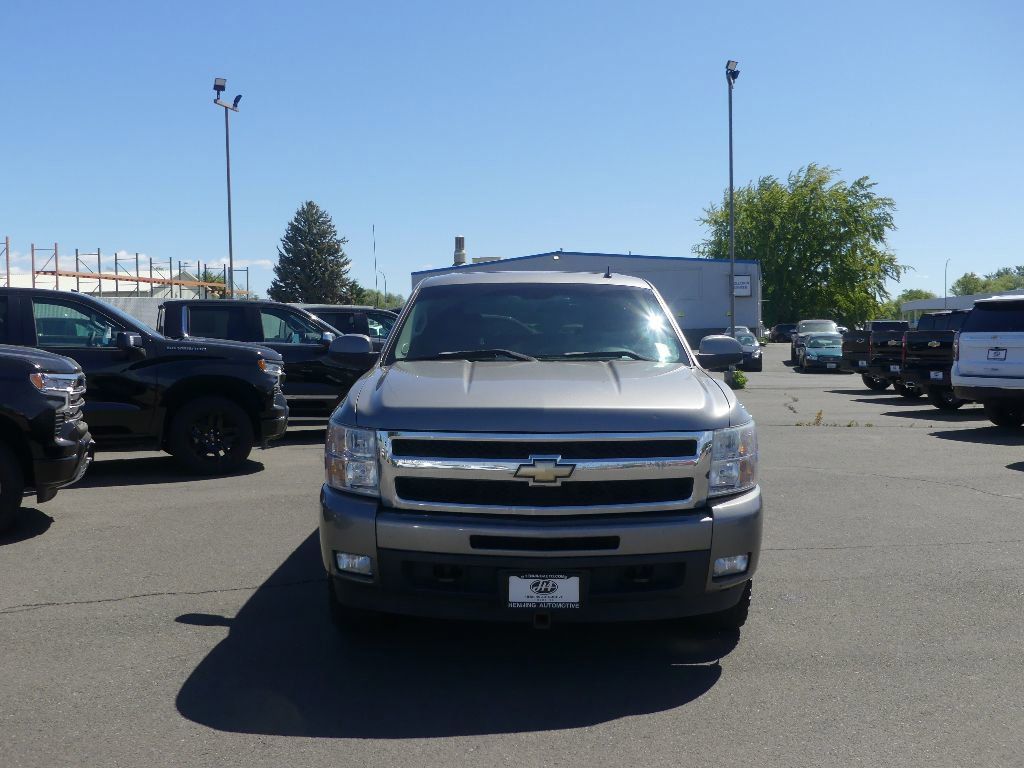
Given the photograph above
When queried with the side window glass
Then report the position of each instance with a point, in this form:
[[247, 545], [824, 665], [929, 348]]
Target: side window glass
[[345, 322], [287, 328], [381, 325], [60, 324], [216, 323]]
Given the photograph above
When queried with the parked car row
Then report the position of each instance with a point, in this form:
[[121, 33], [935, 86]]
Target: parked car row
[[207, 392], [953, 357]]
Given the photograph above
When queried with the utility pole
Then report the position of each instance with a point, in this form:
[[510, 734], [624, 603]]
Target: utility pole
[[731, 73]]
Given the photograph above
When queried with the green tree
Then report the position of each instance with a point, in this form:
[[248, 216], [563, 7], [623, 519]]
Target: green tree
[[967, 284], [370, 297], [311, 263], [821, 243], [891, 310]]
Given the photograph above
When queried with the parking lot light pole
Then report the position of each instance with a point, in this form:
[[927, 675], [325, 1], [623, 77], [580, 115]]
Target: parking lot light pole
[[731, 73], [945, 284], [385, 288], [219, 84]]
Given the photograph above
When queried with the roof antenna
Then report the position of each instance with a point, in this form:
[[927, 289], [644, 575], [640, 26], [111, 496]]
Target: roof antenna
[[608, 272]]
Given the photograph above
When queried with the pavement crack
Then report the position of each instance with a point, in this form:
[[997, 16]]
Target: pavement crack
[[35, 606]]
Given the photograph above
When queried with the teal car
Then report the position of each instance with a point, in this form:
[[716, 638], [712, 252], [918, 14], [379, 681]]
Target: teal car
[[821, 351]]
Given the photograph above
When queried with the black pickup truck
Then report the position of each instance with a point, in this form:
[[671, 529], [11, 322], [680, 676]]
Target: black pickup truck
[[44, 442], [317, 378], [928, 357], [207, 403], [876, 354]]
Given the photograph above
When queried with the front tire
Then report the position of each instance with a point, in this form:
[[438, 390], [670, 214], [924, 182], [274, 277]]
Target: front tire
[[944, 399], [1004, 414], [210, 436], [731, 618], [12, 486], [874, 384]]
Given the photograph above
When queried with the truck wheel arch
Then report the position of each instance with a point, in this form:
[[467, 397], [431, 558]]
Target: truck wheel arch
[[14, 439], [236, 390]]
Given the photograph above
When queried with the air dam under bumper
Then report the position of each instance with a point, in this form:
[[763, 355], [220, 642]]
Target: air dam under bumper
[[632, 567]]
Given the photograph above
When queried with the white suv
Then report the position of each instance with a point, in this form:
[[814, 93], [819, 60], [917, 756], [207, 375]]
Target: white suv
[[989, 365]]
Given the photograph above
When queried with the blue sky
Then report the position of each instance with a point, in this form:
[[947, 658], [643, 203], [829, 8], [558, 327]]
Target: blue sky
[[526, 126]]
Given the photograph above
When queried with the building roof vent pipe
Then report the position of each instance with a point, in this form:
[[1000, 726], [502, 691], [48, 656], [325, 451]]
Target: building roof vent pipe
[[460, 250]]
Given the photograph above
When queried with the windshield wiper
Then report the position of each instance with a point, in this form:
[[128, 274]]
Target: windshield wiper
[[473, 354], [606, 354]]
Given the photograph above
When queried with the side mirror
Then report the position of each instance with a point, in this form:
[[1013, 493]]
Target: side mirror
[[128, 341], [327, 338], [352, 351], [351, 344], [717, 353]]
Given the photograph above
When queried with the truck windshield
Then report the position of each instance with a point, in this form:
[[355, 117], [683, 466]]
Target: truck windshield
[[542, 321]]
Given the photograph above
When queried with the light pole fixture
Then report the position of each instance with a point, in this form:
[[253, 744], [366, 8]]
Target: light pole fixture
[[731, 73], [219, 85], [945, 283], [385, 288]]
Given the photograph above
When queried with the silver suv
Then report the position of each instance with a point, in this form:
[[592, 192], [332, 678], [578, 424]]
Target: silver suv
[[989, 359], [538, 447]]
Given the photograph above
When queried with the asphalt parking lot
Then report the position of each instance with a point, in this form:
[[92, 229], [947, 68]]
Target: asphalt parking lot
[[150, 620]]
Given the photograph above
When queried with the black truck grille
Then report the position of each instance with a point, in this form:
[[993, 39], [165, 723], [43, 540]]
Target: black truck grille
[[515, 493], [522, 449]]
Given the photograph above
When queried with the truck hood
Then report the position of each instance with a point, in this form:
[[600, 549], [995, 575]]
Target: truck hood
[[500, 396], [37, 359], [219, 348]]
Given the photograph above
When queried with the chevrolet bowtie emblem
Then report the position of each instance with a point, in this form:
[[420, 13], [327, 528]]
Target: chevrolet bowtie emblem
[[933, 343], [545, 470]]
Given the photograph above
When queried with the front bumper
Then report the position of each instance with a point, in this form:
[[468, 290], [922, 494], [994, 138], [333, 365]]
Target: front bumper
[[53, 473], [823, 363], [274, 420], [632, 567]]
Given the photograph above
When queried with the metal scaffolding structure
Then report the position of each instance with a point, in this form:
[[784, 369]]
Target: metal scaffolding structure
[[126, 274]]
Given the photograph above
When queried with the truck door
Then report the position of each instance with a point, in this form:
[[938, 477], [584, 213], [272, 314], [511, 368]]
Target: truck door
[[121, 394], [308, 379]]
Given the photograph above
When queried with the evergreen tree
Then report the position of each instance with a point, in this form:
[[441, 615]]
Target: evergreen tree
[[311, 265]]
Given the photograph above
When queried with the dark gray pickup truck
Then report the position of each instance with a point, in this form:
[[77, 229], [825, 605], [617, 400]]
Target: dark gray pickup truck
[[928, 357], [537, 447]]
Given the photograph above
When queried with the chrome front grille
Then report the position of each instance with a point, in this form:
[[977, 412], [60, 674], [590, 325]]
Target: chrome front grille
[[526, 474], [71, 411]]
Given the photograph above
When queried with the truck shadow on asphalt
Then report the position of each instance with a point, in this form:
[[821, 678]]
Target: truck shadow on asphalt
[[931, 414], [148, 470], [991, 435], [285, 669], [28, 523]]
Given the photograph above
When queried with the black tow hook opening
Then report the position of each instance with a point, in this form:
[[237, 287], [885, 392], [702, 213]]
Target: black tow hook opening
[[542, 621]]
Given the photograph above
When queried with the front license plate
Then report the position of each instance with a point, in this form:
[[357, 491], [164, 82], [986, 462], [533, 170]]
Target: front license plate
[[543, 590], [894, 369], [862, 363], [830, 365], [936, 375], [997, 353]]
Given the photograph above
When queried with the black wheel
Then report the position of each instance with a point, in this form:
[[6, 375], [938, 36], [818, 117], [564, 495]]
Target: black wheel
[[210, 436], [874, 384], [944, 399], [12, 485], [758, 366], [907, 390], [792, 353], [731, 618], [1004, 414]]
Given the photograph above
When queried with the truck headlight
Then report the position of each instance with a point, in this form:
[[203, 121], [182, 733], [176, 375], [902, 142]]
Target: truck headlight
[[733, 460], [54, 383], [350, 460], [274, 369]]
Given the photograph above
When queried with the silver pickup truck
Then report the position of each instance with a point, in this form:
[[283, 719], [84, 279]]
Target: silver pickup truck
[[538, 447]]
